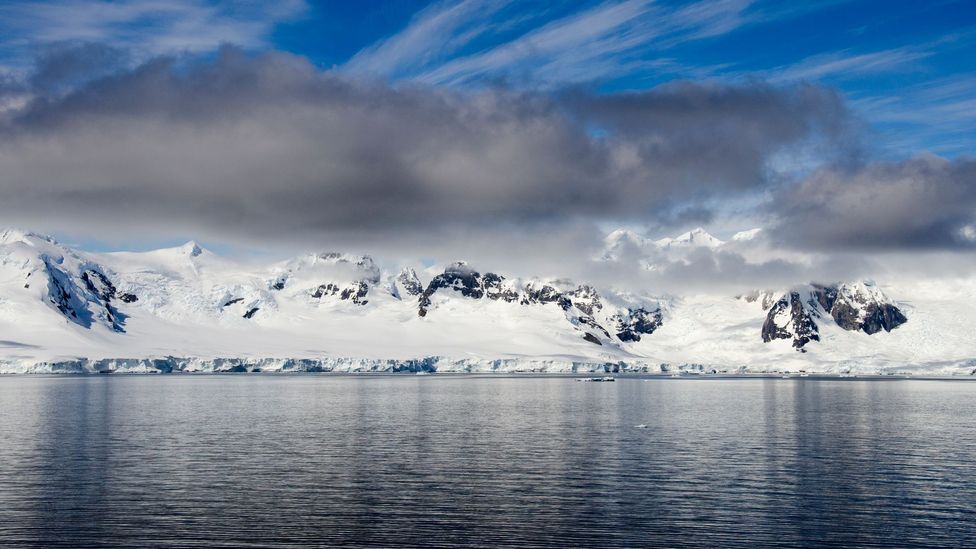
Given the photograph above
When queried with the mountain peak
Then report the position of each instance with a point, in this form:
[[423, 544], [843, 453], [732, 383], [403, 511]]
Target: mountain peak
[[624, 235], [693, 238], [191, 249], [13, 234]]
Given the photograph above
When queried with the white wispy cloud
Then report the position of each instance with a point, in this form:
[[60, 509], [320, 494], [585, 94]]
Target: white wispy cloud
[[937, 115], [613, 38], [571, 43], [432, 34], [144, 27], [846, 64]]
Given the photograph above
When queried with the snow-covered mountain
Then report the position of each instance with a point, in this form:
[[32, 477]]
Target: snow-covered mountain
[[695, 238], [186, 308], [622, 239], [857, 307]]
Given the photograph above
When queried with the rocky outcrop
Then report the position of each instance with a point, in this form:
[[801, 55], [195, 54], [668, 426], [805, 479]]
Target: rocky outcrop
[[862, 307], [858, 306], [582, 305], [543, 293], [789, 318], [585, 298], [462, 279], [86, 303], [409, 283], [495, 288], [354, 291], [636, 323]]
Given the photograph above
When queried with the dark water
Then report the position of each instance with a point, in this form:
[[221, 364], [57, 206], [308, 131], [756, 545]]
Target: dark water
[[466, 461]]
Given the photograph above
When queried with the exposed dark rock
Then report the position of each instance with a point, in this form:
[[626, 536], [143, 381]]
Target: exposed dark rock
[[789, 319], [74, 301], [580, 304], [409, 282], [495, 288], [885, 317], [863, 307], [591, 338], [586, 299], [876, 317], [126, 297], [232, 301], [325, 290], [357, 293], [636, 322], [61, 296], [458, 277], [542, 294], [854, 307], [825, 296], [251, 312], [590, 322], [98, 284]]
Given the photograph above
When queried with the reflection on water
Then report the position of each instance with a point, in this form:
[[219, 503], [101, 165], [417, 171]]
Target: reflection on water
[[485, 461]]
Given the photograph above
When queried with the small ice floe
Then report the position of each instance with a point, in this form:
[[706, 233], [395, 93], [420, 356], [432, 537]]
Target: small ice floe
[[641, 426], [604, 378]]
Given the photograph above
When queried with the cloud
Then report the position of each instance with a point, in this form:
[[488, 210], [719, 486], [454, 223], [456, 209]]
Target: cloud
[[706, 136], [936, 115], [433, 33], [63, 67], [923, 202], [844, 64], [270, 148], [597, 34], [144, 28], [611, 39]]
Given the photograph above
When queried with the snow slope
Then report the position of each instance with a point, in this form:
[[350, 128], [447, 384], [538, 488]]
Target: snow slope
[[186, 308]]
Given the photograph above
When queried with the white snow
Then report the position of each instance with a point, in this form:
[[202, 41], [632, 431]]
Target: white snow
[[191, 306], [698, 237]]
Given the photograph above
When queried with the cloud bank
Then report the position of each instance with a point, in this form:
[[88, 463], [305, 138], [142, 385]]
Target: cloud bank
[[269, 147], [925, 202]]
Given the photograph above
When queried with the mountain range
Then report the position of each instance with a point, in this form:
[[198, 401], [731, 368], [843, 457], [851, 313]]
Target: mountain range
[[188, 309]]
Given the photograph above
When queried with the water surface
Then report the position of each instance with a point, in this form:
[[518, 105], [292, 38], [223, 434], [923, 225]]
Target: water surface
[[264, 460]]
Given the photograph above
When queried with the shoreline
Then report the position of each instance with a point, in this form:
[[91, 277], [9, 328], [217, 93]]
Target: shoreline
[[633, 376], [443, 365]]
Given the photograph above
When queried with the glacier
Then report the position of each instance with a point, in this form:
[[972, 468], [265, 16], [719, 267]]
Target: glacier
[[187, 309]]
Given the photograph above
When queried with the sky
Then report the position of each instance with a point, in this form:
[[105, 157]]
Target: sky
[[491, 128]]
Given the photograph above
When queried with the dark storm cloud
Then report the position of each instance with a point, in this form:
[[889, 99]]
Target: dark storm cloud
[[61, 67], [270, 147], [922, 202], [702, 136]]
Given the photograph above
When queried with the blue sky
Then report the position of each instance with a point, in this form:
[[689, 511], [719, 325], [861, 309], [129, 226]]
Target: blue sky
[[906, 67], [624, 93]]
